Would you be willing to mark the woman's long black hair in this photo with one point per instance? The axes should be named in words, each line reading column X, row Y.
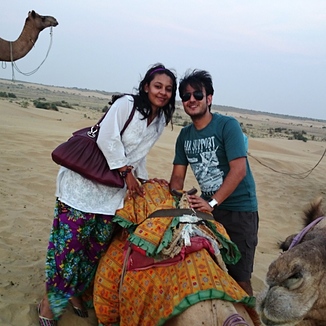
column 142, row 102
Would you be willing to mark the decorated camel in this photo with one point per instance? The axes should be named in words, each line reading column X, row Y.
column 166, row 266
column 34, row 24
column 296, row 280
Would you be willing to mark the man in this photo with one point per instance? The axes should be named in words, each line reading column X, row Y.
column 214, row 147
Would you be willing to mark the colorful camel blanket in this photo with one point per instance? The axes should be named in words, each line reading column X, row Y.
column 161, row 266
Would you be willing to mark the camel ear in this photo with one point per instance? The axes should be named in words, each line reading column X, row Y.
column 33, row 14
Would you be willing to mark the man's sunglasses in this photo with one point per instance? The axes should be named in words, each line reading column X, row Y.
column 198, row 95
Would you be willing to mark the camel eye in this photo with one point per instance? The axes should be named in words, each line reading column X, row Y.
column 294, row 281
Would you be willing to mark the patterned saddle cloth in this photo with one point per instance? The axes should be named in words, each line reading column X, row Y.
column 157, row 267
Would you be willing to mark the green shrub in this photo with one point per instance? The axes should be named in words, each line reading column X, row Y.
column 299, row 136
column 45, row 105
column 105, row 108
column 24, row 104
column 63, row 104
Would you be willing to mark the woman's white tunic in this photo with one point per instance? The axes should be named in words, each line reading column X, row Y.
column 130, row 149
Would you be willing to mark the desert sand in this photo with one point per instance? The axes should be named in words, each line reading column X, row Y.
column 27, row 185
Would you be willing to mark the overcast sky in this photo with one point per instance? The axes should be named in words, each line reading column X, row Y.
column 263, row 55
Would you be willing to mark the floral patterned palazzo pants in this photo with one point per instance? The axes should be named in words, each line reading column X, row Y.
column 77, row 242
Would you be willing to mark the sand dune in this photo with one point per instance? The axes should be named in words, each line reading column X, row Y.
column 27, row 185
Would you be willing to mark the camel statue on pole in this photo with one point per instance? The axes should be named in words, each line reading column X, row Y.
column 34, row 24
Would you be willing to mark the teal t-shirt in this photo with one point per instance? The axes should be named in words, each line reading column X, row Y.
column 209, row 151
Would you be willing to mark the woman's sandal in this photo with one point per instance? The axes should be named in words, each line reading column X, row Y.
column 79, row 312
column 43, row 321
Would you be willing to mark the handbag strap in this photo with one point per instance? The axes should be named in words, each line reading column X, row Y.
column 129, row 119
column 127, row 122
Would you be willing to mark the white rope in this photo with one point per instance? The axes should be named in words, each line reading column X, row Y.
column 14, row 65
column 12, row 62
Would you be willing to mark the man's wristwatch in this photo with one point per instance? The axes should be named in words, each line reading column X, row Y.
column 212, row 202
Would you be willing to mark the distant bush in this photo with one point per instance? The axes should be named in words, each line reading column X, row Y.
column 105, row 108
column 24, row 104
column 45, row 105
column 63, row 104
column 11, row 95
column 299, row 136
column 279, row 129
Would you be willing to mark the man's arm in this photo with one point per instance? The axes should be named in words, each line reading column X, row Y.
column 234, row 177
column 178, row 177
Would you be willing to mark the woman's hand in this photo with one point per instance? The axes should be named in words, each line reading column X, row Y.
column 161, row 182
column 133, row 186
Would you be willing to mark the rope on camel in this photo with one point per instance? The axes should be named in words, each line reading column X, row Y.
column 301, row 175
column 14, row 65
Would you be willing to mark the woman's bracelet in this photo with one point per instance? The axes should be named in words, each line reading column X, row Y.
column 125, row 172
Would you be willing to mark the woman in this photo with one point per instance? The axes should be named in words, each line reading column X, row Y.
column 82, row 226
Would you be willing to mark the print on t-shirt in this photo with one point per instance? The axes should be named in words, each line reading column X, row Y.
column 201, row 154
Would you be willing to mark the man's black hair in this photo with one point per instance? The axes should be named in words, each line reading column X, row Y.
column 197, row 79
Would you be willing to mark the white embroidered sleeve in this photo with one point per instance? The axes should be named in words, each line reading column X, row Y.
column 140, row 171
column 109, row 140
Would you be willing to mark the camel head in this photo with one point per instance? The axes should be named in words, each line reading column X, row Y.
column 296, row 280
column 41, row 22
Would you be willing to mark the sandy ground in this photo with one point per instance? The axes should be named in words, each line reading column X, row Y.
column 27, row 185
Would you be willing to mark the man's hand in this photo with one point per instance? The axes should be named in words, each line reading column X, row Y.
column 199, row 204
